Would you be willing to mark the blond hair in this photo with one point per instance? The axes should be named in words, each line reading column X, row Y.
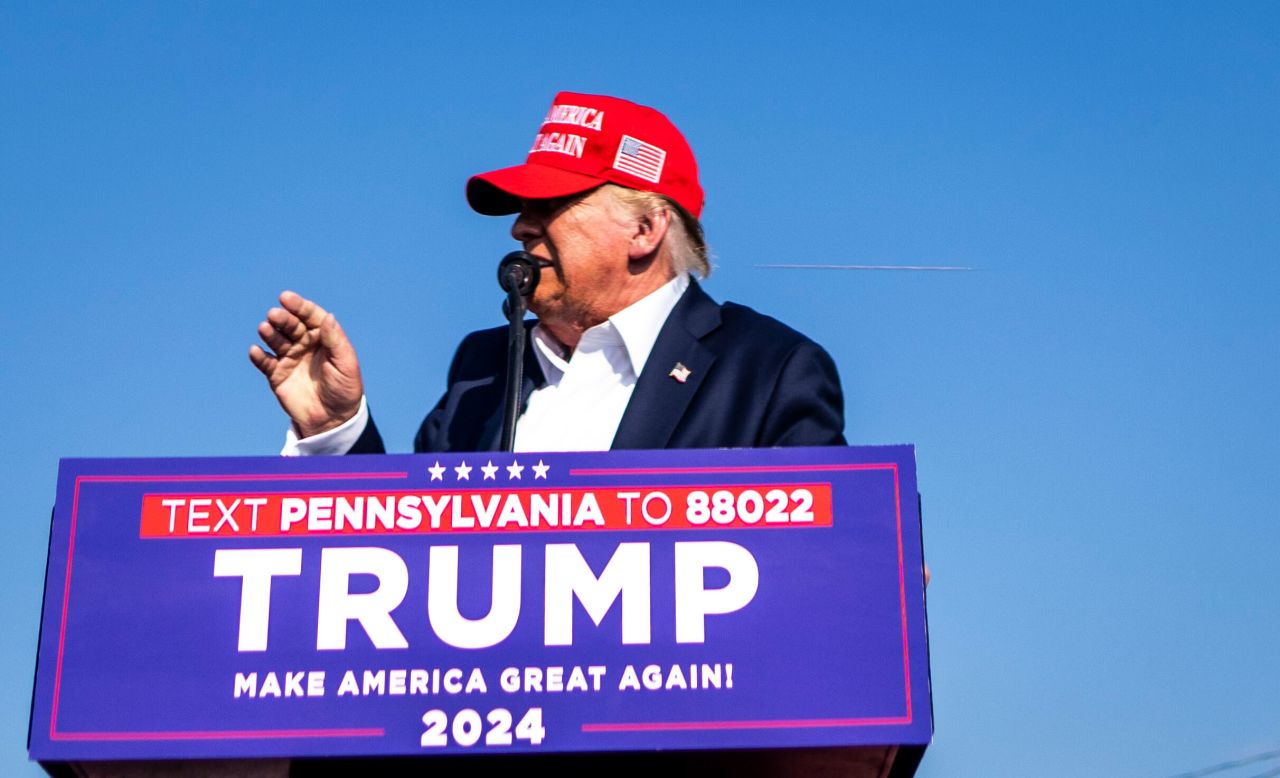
column 684, row 236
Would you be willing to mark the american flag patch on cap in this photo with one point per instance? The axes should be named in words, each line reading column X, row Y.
column 640, row 159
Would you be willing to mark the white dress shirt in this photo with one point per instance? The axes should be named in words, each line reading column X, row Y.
column 581, row 405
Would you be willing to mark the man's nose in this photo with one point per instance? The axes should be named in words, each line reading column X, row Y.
column 526, row 227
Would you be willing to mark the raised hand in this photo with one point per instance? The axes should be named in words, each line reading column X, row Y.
column 311, row 366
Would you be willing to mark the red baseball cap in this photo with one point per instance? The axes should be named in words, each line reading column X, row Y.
column 589, row 140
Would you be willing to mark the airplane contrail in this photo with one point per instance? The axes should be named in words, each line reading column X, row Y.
column 941, row 268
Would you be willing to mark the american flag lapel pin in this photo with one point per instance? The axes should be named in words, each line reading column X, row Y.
column 680, row 372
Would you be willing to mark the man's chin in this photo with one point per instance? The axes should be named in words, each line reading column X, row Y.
column 546, row 304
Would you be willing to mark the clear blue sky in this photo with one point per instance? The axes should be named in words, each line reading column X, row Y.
column 1096, row 407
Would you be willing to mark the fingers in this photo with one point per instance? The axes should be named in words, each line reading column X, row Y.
column 307, row 311
column 262, row 360
column 291, row 325
column 272, row 337
column 286, row 324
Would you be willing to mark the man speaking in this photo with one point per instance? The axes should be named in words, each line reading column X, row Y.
column 627, row 351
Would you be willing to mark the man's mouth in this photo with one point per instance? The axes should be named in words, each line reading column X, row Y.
column 543, row 262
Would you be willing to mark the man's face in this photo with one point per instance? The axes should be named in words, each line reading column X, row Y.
column 586, row 238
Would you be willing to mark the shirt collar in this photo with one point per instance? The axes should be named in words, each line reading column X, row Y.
column 637, row 325
column 640, row 322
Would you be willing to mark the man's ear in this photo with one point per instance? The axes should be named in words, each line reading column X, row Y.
column 650, row 230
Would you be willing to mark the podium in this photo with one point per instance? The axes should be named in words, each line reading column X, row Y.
column 760, row 611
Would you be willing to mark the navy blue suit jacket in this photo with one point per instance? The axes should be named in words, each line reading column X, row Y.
column 753, row 382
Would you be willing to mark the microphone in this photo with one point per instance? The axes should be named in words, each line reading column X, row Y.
column 519, row 271
column 518, row 275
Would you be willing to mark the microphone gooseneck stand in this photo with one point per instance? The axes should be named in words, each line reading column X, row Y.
column 518, row 274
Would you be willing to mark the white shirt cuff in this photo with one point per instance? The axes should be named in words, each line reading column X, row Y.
column 338, row 440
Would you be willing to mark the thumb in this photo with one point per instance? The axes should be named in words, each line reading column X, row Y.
column 333, row 338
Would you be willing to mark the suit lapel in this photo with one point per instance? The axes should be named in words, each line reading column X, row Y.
column 659, row 400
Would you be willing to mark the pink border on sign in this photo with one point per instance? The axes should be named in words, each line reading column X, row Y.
column 54, row 734
column 229, row 734
column 678, row 726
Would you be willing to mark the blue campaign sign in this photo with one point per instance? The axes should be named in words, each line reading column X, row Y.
column 478, row 603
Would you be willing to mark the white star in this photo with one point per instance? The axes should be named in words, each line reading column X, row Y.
column 514, row 470
column 540, row 470
column 464, row 472
column 490, row 471
column 437, row 471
